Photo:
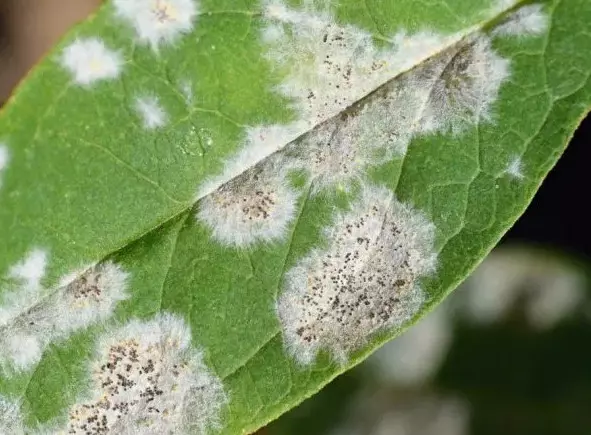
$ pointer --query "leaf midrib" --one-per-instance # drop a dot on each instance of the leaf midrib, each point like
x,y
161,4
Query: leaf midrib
x,y
474,30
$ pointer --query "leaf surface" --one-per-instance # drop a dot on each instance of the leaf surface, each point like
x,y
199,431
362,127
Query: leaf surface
x,y
456,108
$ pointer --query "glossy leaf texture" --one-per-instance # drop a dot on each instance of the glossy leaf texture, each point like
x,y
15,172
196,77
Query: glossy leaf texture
x,y
210,209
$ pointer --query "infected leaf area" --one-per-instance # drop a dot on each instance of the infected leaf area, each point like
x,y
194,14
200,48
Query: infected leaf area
x,y
325,67
365,276
328,65
258,205
10,418
322,235
33,317
366,279
448,93
356,109
158,22
147,378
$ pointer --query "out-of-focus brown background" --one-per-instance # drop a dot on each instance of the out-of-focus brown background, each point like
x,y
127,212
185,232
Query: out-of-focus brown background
x,y
28,28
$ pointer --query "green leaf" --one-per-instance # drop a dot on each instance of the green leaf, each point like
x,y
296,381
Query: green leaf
x,y
211,209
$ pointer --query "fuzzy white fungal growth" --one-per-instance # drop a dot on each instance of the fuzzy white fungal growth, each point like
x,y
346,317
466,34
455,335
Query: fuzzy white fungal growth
x,y
11,420
91,295
31,270
148,379
333,69
461,86
529,20
186,88
24,350
158,21
4,157
32,317
452,91
260,143
89,60
515,168
330,155
341,149
330,65
257,206
384,127
152,114
364,281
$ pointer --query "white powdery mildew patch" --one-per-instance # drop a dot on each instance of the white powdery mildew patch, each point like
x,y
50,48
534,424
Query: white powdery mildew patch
x,y
4,159
450,92
340,150
460,86
366,280
158,21
330,155
151,112
89,60
32,317
11,421
256,206
529,20
147,378
260,143
330,66
91,294
186,88
515,168
384,126
31,270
